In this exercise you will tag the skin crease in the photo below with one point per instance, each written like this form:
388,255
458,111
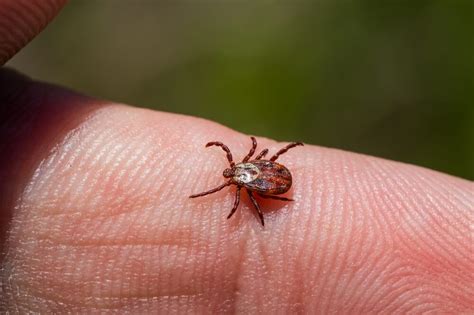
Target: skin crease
96,218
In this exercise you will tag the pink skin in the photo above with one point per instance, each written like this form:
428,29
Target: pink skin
104,222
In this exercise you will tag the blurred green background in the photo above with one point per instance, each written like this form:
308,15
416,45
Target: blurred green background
388,78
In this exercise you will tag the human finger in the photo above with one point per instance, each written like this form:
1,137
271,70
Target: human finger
21,21
102,220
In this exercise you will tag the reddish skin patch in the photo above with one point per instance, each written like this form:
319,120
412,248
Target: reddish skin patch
265,177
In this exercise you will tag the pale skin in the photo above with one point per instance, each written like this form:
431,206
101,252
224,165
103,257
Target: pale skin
96,216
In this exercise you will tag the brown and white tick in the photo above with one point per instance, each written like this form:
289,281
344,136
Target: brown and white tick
265,177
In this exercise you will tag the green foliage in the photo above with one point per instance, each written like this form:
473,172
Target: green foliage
387,78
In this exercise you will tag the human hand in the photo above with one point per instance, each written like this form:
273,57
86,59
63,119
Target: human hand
96,216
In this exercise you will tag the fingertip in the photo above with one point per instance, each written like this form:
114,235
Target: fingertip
27,18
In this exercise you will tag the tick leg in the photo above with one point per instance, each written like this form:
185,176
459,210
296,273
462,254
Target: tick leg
225,148
211,191
236,202
257,207
262,154
252,150
289,146
275,197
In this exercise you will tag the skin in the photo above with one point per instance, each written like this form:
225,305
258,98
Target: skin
95,215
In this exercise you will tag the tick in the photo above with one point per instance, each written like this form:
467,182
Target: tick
266,178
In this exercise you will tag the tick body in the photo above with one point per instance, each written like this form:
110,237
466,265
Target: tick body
266,178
